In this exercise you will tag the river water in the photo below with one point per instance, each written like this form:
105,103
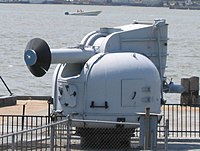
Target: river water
21,22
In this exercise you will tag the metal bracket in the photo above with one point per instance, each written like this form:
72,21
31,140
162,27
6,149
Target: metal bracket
98,106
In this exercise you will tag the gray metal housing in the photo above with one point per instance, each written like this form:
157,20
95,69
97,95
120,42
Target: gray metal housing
112,74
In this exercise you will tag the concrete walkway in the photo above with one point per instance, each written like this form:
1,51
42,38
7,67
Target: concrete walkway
181,144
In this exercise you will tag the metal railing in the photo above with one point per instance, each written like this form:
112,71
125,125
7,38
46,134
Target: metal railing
184,120
15,123
44,133
47,137
61,135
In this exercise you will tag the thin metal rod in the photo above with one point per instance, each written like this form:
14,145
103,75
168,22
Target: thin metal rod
6,85
166,134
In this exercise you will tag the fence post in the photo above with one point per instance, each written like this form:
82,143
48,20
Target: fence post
147,131
50,101
13,142
52,138
23,114
166,134
68,131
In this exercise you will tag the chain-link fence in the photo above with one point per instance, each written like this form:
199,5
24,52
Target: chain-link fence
73,134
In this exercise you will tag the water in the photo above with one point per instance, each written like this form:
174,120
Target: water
21,22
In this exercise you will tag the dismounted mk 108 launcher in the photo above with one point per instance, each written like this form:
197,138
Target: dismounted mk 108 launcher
111,75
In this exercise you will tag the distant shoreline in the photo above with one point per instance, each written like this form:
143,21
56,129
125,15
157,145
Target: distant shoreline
81,3
106,4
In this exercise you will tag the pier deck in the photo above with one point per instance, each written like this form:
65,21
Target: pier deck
32,107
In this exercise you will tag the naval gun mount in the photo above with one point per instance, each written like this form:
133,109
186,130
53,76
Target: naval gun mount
113,74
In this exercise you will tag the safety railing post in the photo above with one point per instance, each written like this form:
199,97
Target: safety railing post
147,131
166,134
13,142
68,132
52,138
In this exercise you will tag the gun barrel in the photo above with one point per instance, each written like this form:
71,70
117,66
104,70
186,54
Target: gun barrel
61,56
38,56
74,55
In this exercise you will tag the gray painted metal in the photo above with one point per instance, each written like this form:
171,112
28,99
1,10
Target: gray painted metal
121,78
112,74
